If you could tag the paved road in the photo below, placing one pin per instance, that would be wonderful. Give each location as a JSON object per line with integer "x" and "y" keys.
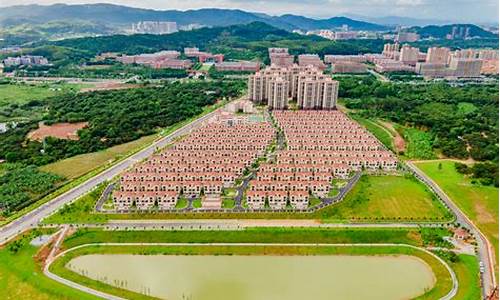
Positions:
{"x": 32, "y": 218}
{"x": 378, "y": 75}
{"x": 448, "y": 296}
{"x": 486, "y": 252}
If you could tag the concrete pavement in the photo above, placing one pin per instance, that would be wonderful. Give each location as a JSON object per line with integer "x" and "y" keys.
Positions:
{"x": 32, "y": 218}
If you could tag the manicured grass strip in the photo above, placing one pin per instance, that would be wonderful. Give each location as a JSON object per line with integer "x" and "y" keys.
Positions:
{"x": 478, "y": 202}
{"x": 250, "y": 235}
{"x": 467, "y": 271}
{"x": 441, "y": 288}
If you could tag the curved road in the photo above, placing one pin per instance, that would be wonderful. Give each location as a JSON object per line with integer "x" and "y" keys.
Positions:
{"x": 32, "y": 218}
{"x": 103, "y": 295}
{"x": 486, "y": 252}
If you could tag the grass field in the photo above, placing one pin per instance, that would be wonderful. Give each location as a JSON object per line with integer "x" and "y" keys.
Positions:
{"x": 390, "y": 198}
{"x": 480, "y": 203}
{"x": 23, "y": 93}
{"x": 76, "y": 166}
{"x": 467, "y": 271}
{"x": 13, "y": 96}
{"x": 442, "y": 286}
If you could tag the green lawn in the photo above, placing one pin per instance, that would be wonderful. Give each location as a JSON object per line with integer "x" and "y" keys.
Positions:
{"x": 181, "y": 203}
{"x": 197, "y": 203}
{"x": 480, "y": 203}
{"x": 228, "y": 203}
{"x": 251, "y": 235}
{"x": 467, "y": 271}
{"x": 379, "y": 198}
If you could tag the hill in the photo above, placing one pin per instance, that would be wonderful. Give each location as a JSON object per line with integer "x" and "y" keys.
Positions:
{"x": 121, "y": 16}
{"x": 440, "y": 32}
{"x": 139, "y": 43}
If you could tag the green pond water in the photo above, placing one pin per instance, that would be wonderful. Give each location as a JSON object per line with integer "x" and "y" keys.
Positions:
{"x": 261, "y": 277}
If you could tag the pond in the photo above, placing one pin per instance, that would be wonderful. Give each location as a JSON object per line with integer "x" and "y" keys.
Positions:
{"x": 260, "y": 277}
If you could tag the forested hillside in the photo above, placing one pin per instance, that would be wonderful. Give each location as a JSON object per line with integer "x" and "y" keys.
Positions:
{"x": 462, "y": 121}
{"x": 114, "y": 117}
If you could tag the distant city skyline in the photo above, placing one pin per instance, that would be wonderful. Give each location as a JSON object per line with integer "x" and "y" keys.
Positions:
{"x": 483, "y": 11}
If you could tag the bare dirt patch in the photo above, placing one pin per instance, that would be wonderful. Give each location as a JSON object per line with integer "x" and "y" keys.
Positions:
{"x": 398, "y": 140}
{"x": 483, "y": 215}
{"x": 104, "y": 86}
{"x": 66, "y": 131}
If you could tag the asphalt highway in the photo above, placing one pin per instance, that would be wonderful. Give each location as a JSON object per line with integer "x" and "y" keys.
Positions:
{"x": 32, "y": 218}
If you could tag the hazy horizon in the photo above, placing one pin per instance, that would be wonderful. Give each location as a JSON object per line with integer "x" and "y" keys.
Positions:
{"x": 485, "y": 11}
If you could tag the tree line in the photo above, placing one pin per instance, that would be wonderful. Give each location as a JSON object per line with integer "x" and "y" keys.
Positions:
{"x": 463, "y": 121}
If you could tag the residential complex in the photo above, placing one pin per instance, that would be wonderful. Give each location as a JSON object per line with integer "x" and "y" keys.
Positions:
{"x": 349, "y": 67}
{"x": 311, "y": 60}
{"x": 320, "y": 146}
{"x": 251, "y": 66}
{"x": 25, "y": 60}
{"x": 407, "y": 37}
{"x": 204, "y": 163}
{"x": 280, "y": 57}
{"x": 154, "y": 27}
{"x": 202, "y": 56}
{"x": 163, "y": 59}
{"x": 441, "y": 62}
{"x": 305, "y": 84}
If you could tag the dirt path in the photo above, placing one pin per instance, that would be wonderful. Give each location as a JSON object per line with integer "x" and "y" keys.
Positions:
{"x": 464, "y": 161}
{"x": 399, "y": 142}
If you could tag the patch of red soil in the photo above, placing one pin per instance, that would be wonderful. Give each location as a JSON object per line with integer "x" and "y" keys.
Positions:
{"x": 66, "y": 131}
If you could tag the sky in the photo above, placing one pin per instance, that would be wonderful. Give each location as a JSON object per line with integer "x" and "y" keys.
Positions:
{"x": 479, "y": 11}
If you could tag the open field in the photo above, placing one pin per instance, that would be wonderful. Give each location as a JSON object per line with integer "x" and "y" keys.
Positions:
{"x": 397, "y": 198}
{"x": 25, "y": 101}
{"x": 76, "y": 166}
{"x": 250, "y": 235}
{"x": 479, "y": 203}
{"x": 23, "y": 93}
{"x": 441, "y": 288}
